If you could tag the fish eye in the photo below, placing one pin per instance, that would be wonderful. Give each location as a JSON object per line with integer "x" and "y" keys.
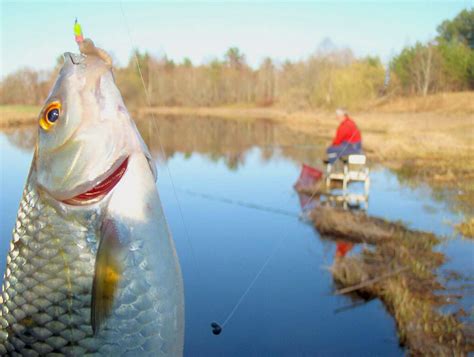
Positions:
{"x": 50, "y": 116}
{"x": 53, "y": 115}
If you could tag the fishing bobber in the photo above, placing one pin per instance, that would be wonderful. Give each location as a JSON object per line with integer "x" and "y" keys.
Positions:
{"x": 78, "y": 36}
{"x": 216, "y": 328}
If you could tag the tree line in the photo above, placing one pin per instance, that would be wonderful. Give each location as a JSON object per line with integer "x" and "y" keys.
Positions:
{"x": 328, "y": 78}
{"x": 445, "y": 63}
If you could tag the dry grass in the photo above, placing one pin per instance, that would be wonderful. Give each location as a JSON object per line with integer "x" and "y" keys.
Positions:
{"x": 460, "y": 102}
{"x": 412, "y": 295}
{"x": 466, "y": 228}
{"x": 17, "y": 115}
{"x": 419, "y": 136}
{"x": 357, "y": 227}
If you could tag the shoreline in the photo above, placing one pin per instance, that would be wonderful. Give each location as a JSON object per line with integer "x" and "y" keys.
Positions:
{"x": 434, "y": 147}
{"x": 389, "y": 137}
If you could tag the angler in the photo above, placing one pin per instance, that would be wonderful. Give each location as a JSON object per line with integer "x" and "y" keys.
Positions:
{"x": 347, "y": 140}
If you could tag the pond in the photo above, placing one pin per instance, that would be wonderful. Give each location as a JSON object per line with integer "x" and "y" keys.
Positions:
{"x": 246, "y": 255}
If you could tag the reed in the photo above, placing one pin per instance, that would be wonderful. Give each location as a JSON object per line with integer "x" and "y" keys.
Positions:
{"x": 399, "y": 268}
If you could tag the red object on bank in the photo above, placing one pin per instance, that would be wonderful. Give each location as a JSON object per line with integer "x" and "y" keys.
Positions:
{"x": 308, "y": 177}
{"x": 342, "y": 248}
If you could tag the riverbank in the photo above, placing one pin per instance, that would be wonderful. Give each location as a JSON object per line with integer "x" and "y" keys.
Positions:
{"x": 422, "y": 139}
{"x": 391, "y": 137}
{"x": 433, "y": 132}
{"x": 18, "y": 115}
{"x": 427, "y": 139}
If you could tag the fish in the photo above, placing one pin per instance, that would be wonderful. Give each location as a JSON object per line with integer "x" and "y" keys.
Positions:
{"x": 92, "y": 268}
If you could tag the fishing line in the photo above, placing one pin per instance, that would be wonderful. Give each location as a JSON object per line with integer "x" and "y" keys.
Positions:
{"x": 160, "y": 143}
{"x": 216, "y": 328}
{"x": 245, "y": 204}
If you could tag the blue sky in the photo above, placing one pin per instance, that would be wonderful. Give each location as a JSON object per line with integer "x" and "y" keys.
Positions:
{"x": 33, "y": 34}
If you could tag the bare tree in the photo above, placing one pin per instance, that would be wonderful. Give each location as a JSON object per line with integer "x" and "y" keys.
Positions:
{"x": 425, "y": 68}
{"x": 235, "y": 58}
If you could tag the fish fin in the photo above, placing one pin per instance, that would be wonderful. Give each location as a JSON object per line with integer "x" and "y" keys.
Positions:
{"x": 107, "y": 275}
{"x": 152, "y": 164}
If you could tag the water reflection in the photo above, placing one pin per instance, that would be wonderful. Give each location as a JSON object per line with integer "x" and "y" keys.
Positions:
{"x": 214, "y": 138}
{"x": 229, "y": 140}
{"x": 399, "y": 268}
{"x": 257, "y": 162}
{"x": 22, "y": 137}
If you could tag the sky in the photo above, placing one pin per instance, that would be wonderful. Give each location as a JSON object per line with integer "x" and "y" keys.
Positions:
{"x": 35, "y": 33}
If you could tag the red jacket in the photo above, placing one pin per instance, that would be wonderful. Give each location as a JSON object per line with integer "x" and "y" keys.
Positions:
{"x": 347, "y": 132}
{"x": 342, "y": 248}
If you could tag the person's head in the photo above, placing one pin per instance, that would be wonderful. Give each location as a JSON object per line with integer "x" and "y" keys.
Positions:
{"x": 341, "y": 113}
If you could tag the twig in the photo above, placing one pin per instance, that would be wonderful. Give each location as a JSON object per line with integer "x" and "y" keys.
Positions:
{"x": 369, "y": 282}
{"x": 353, "y": 306}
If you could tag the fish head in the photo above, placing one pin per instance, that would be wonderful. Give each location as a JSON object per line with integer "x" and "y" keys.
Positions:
{"x": 86, "y": 134}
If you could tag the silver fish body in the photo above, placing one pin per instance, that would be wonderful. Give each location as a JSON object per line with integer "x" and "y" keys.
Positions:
{"x": 96, "y": 279}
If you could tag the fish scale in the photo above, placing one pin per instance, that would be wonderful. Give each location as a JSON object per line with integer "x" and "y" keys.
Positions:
{"x": 46, "y": 292}
{"x": 38, "y": 259}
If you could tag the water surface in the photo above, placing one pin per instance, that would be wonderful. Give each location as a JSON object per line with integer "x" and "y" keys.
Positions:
{"x": 212, "y": 174}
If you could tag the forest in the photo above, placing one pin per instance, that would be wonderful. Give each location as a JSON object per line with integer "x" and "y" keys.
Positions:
{"x": 330, "y": 77}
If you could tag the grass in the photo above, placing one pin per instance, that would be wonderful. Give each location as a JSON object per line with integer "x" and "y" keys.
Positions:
{"x": 355, "y": 227}
{"x": 15, "y": 115}
{"x": 459, "y": 102}
{"x": 412, "y": 295}
{"x": 466, "y": 228}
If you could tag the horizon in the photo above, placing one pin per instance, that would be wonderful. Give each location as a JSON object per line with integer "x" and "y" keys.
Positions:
{"x": 203, "y": 32}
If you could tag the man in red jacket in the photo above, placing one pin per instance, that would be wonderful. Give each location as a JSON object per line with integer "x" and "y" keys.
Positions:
{"x": 347, "y": 140}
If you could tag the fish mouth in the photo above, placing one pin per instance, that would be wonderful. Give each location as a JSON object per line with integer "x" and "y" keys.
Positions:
{"x": 101, "y": 189}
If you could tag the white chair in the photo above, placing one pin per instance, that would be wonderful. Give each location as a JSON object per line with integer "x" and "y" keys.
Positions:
{"x": 354, "y": 169}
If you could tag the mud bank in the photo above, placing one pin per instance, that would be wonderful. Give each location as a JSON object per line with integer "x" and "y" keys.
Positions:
{"x": 399, "y": 266}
